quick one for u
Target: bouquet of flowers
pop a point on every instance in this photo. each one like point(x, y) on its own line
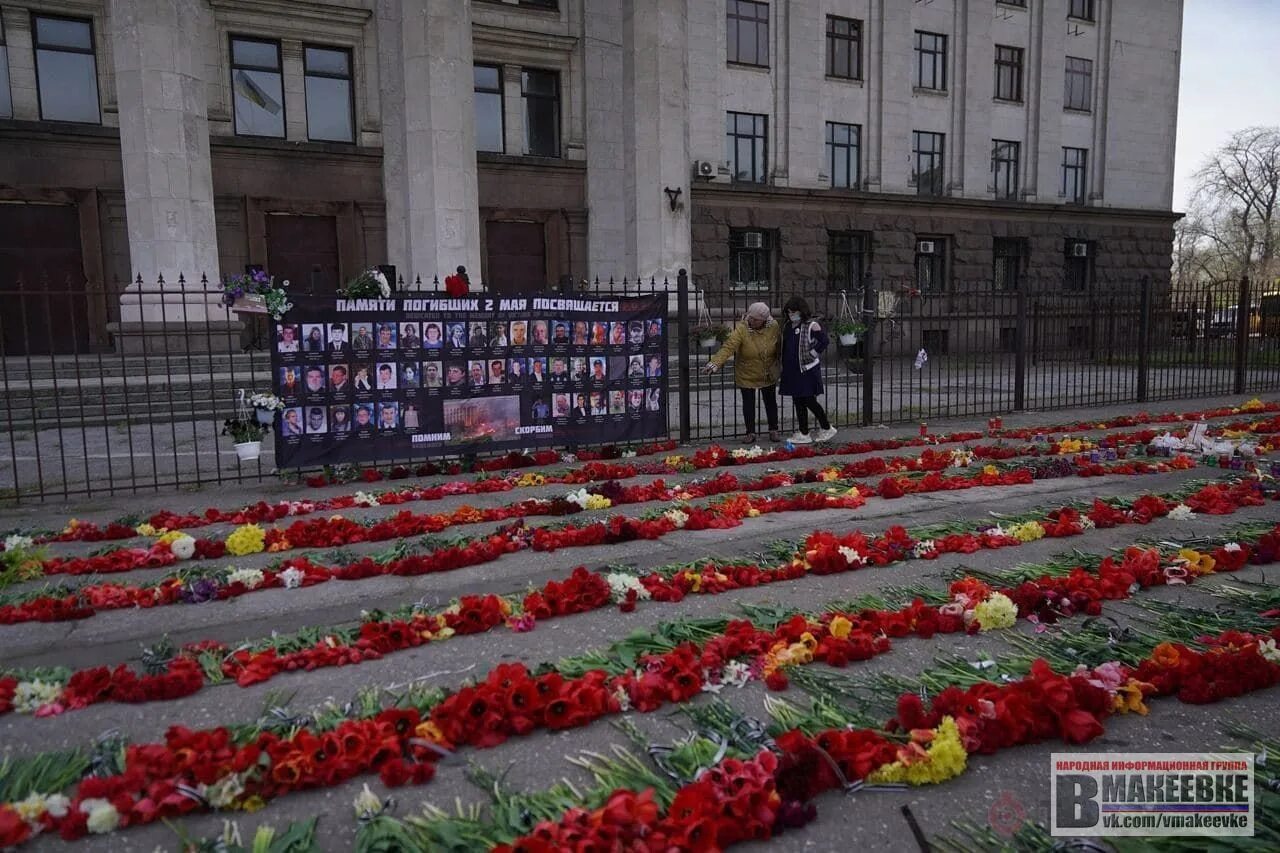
point(370, 284)
point(257, 292)
point(265, 407)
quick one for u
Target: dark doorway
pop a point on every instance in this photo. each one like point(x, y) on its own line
point(42, 295)
point(517, 254)
point(304, 249)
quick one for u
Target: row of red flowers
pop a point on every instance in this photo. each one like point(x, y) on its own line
point(598, 471)
point(729, 512)
point(758, 798)
point(164, 780)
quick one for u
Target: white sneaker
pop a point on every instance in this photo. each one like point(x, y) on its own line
point(800, 438)
point(825, 434)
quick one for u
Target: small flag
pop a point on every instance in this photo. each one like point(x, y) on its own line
point(252, 91)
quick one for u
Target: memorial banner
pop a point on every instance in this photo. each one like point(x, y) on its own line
point(421, 375)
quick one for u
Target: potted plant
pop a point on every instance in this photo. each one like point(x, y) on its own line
point(849, 331)
point(370, 284)
point(710, 335)
point(265, 407)
point(256, 293)
point(245, 429)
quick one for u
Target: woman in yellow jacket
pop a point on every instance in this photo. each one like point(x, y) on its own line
point(755, 345)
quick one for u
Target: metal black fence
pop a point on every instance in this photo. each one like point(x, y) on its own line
point(99, 399)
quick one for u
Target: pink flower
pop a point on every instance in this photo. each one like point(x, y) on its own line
point(525, 623)
point(52, 709)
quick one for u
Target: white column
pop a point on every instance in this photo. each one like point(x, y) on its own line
point(512, 109)
point(607, 251)
point(164, 146)
point(429, 149)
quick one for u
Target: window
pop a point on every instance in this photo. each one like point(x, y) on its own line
point(1007, 268)
point(1075, 163)
point(748, 35)
point(1082, 9)
point(844, 144)
point(258, 87)
point(750, 259)
point(847, 258)
point(931, 264)
point(66, 69)
point(328, 83)
point(489, 122)
point(6, 99)
point(541, 92)
point(1079, 94)
point(844, 48)
point(1078, 265)
point(931, 61)
point(1008, 73)
point(926, 162)
point(1004, 167)
point(746, 146)
point(1021, 4)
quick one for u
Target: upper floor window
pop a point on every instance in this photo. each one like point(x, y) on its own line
point(258, 87)
point(1082, 9)
point(844, 144)
point(748, 35)
point(6, 99)
point(746, 146)
point(541, 92)
point(328, 84)
point(1008, 73)
point(931, 61)
point(1079, 91)
point(490, 133)
point(848, 255)
point(1004, 167)
point(1075, 162)
point(66, 69)
point(927, 150)
point(844, 48)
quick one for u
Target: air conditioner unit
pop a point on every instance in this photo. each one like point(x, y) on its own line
point(926, 247)
point(752, 240)
point(1079, 250)
point(705, 169)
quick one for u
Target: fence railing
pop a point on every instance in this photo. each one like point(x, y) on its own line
point(100, 399)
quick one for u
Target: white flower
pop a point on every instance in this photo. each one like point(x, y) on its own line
point(620, 583)
point(748, 452)
point(1231, 547)
point(18, 542)
point(961, 458)
point(579, 497)
point(1086, 523)
point(103, 817)
point(628, 454)
point(710, 684)
point(224, 792)
point(735, 674)
point(677, 517)
point(292, 577)
point(35, 805)
point(251, 578)
point(1181, 512)
point(624, 701)
point(184, 547)
point(365, 499)
point(1267, 648)
point(851, 556)
point(31, 695)
point(367, 804)
point(922, 549)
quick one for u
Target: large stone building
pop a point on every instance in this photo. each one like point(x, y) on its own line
point(949, 143)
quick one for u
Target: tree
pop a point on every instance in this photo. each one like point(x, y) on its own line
point(1235, 222)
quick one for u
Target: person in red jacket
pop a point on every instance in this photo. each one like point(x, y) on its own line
point(457, 285)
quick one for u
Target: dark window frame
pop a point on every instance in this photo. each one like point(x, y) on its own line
point(36, 47)
point(1006, 170)
point(852, 154)
point(1009, 73)
point(1021, 4)
point(556, 101)
point(848, 43)
point(232, 38)
point(760, 145)
point(734, 19)
point(937, 186)
point(1008, 263)
point(1077, 273)
point(1078, 80)
point(502, 102)
point(763, 256)
point(351, 83)
point(852, 251)
point(1075, 175)
point(1082, 10)
point(929, 270)
point(937, 53)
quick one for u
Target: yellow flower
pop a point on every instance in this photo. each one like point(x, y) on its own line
point(444, 633)
point(840, 627)
point(829, 475)
point(1254, 405)
point(673, 461)
point(753, 513)
point(1129, 698)
point(1028, 531)
point(169, 536)
point(990, 470)
point(504, 606)
point(246, 539)
point(1197, 563)
point(598, 502)
point(145, 530)
point(944, 759)
point(529, 479)
point(808, 641)
point(695, 580)
point(253, 804)
point(997, 612)
point(429, 731)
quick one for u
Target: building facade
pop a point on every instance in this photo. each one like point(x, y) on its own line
point(944, 144)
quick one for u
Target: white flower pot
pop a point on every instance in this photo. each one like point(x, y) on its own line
point(709, 343)
point(266, 417)
point(849, 338)
point(249, 450)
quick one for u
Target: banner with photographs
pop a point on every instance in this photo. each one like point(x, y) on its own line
point(410, 376)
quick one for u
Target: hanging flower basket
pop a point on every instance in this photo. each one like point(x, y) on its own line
point(849, 339)
point(266, 417)
point(250, 303)
point(248, 451)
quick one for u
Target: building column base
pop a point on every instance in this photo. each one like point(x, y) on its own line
point(214, 337)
